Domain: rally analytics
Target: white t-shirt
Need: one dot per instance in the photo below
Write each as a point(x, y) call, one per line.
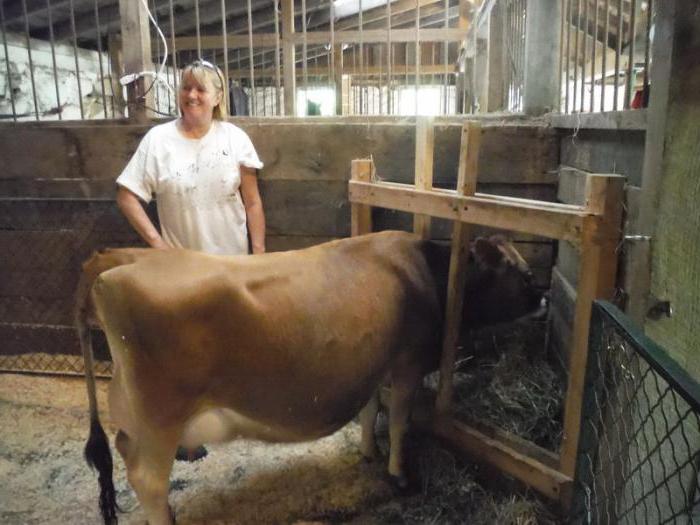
point(196, 183)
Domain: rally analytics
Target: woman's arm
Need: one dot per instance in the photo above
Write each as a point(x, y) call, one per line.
point(253, 209)
point(130, 206)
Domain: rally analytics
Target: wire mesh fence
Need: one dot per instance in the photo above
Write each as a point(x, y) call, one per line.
point(639, 454)
point(44, 242)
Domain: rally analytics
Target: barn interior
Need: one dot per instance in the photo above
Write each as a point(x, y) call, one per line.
point(569, 126)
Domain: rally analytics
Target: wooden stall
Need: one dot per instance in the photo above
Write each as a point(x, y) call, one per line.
point(593, 228)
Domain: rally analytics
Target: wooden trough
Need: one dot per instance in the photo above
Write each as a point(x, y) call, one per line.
point(594, 229)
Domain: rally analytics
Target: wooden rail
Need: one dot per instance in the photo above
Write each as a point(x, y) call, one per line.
point(594, 229)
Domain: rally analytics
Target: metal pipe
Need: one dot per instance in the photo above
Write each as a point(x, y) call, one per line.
point(29, 56)
point(227, 80)
point(583, 59)
point(618, 52)
point(389, 59)
point(593, 55)
point(561, 52)
point(278, 80)
point(521, 53)
point(578, 23)
point(173, 51)
point(445, 55)
point(7, 63)
point(154, 81)
point(75, 55)
point(196, 24)
point(53, 62)
point(604, 68)
point(304, 55)
point(418, 57)
point(569, 16)
point(331, 51)
point(250, 59)
point(647, 45)
point(630, 61)
point(362, 57)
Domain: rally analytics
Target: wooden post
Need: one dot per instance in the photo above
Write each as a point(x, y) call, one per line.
point(361, 214)
point(495, 93)
point(425, 140)
point(288, 58)
point(114, 47)
point(459, 257)
point(596, 279)
point(540, 90)
point(340, 96)
point(136, 52)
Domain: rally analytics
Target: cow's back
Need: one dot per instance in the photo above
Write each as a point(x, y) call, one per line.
point(293, 339)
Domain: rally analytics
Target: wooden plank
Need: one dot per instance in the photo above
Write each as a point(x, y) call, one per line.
point(597, 272)
point(572, 185)
point(361, 215)
point(620, 152)
point(114, 47)
point(459, 257)
point(288, 58)
point(306, 207)
point(482, 448)
point(21, 340)
point(550, 220)
point(301, 150)
point(89, 216)
point(425, 140)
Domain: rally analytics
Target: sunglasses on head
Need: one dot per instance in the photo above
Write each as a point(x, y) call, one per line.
point(205, 63)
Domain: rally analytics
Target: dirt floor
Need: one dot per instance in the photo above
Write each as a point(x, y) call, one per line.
point(44, 479)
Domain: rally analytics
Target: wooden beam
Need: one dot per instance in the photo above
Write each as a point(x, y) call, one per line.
point(485, 449)
point(557, 221)
point(288, 58)
point(432, 69)
point(596, 280)
point(371, 36)
point(522, 459)
point(361, 214)
point(425, 141)
point(114, 48)
point(136, 41)
point(459, 258)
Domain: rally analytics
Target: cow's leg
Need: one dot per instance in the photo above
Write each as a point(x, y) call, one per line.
point(405, 379)
point(149, 459)
point(368, 419)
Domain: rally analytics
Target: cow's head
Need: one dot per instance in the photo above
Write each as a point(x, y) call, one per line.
point(500, 286)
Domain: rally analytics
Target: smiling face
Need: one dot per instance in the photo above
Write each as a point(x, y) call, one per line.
point(198, 96)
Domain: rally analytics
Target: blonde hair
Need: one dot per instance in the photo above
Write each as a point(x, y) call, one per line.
point(202, 71)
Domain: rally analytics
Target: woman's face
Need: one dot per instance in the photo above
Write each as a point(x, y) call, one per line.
point(197, 99)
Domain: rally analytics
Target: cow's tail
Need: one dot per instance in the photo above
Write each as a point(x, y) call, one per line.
point(97, 452)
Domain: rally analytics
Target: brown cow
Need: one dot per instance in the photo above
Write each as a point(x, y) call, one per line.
point(280, 347)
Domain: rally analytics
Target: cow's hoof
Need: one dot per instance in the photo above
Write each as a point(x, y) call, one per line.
point(399, 485)
point(191, 455)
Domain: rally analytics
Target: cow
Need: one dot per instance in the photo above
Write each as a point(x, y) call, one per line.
point(279, 347)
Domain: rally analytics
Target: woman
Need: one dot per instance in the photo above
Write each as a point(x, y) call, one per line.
point(202, 171)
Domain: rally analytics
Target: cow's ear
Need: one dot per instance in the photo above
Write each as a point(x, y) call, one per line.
point(486, 254)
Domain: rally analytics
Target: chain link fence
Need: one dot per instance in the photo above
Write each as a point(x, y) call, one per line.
point(45, 242)
point(639, 454)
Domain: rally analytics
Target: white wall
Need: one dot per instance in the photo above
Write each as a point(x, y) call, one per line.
point(45, 82)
